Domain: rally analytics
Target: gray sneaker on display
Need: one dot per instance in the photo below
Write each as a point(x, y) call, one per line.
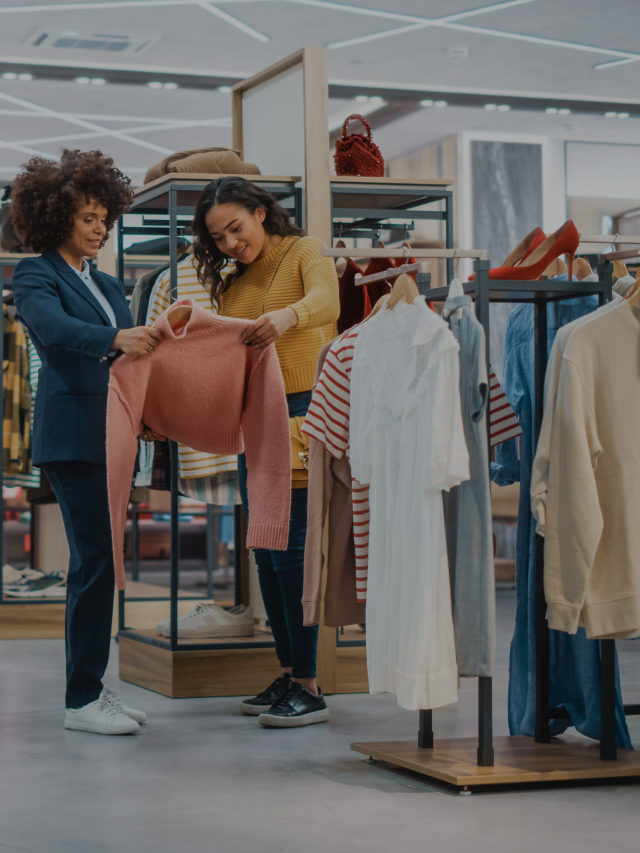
point(211, 620)
point(102, 717)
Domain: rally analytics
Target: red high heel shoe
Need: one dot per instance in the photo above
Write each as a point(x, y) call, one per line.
point(525, 247)
point(522, 250)
point(563, 241)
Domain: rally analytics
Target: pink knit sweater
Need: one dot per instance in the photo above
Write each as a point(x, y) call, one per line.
point(203, 387)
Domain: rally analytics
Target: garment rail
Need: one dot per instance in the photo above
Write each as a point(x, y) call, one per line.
point(485, 754)
point(8, 261)
point(521, 759)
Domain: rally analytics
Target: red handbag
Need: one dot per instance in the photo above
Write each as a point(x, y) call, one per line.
point(357, 154)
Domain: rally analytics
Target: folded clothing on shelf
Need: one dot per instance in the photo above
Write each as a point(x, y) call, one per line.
point(209, 620)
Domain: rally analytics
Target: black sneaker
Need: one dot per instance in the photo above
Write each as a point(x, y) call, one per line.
point(297, 707)
point(265, 700)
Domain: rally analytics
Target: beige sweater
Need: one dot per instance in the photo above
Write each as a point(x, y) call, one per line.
point(592, 530)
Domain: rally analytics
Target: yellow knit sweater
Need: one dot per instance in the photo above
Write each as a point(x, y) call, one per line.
point(306, 282)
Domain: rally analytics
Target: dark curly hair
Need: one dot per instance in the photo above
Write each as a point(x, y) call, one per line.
point(232, 190)
point(46, 194)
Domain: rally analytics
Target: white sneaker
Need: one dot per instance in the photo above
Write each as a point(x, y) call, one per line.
point(134, 713)
point(211, 620)
point(102, 717)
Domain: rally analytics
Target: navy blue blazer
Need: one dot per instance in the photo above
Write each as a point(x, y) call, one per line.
point(73, 337)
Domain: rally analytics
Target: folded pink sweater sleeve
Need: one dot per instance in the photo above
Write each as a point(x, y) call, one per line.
point(264, 421)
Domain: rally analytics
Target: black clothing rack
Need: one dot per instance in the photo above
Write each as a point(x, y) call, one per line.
point(520, 759)
point(8, 260)
point(540, 293)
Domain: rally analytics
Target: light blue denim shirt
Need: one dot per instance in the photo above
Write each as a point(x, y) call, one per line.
point(574, 660)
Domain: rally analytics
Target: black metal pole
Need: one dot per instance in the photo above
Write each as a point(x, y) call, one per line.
point(485, 718)
point(211, 541)
point(425, 732)
point(238, 545)
point(135, 543)
point(173, 448)
point(485, 753)
point(542, 733)
point(608, 748)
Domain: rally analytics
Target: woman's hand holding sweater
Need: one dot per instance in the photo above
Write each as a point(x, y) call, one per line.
point(140, 340)
point(269, 327)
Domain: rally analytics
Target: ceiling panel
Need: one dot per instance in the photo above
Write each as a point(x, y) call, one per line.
point(515, 46)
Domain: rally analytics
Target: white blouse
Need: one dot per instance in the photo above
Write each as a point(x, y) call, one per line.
point(407, 442)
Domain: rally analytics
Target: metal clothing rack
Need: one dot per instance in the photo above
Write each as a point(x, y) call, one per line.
point(520, 759)
point(485, 752)
point(8, 260)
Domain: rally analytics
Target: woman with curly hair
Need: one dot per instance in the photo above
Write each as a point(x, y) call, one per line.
point(79, 321)
point(289, 294)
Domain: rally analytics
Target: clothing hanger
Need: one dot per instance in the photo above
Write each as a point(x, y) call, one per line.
point(178, 316)
point(582, 268)
point(619, 270)
point(556, 267)
point(341, 263)
point(456, 290)
point(403, 290)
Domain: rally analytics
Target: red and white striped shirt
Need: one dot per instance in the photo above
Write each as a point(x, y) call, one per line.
point(327, 420)
point(503, 421)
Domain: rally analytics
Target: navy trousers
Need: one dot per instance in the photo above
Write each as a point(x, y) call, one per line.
point(81, 491)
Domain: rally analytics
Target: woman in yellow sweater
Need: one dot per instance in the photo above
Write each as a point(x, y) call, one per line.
point(289, 292)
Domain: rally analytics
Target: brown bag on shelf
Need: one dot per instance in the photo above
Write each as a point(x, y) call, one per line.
point(207, 161)
point(299, 453)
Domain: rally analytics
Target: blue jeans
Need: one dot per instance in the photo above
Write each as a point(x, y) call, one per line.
point(574, 660)
point(281, 575)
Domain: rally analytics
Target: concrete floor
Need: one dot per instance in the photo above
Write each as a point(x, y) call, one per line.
point(201, 777)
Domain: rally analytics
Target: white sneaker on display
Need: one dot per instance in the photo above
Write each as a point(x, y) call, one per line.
point(102, 717)
point(211, 620)
point(134, 713)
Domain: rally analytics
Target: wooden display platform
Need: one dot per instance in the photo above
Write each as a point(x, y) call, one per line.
point(188, 673)
point(43, 618)
point(518, 761)
point(238, 666)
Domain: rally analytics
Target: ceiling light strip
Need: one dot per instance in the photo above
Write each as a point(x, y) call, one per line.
point(359, 10)
point(482, 10)
point(230, 19)
point(487, 31)
point(45, 111)
point(92, 7)
point(336, 45)
point(221, 122)
point(604, 65)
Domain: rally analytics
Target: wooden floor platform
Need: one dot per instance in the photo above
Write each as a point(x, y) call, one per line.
point(188, 672)
point(43, 618)
point(518, 761)
point(237, 666)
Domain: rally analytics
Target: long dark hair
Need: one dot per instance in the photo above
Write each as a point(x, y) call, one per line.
point(232, 190)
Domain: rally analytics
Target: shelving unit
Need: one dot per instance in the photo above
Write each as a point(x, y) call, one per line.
point(171, 666)
point(361, 207)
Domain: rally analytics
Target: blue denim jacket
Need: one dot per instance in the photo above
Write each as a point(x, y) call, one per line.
point(574, 660)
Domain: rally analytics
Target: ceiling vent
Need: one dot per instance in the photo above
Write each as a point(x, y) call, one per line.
point(107, 42)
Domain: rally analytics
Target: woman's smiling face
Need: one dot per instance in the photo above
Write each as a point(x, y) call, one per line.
point(87, 233)
point(238, 233)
